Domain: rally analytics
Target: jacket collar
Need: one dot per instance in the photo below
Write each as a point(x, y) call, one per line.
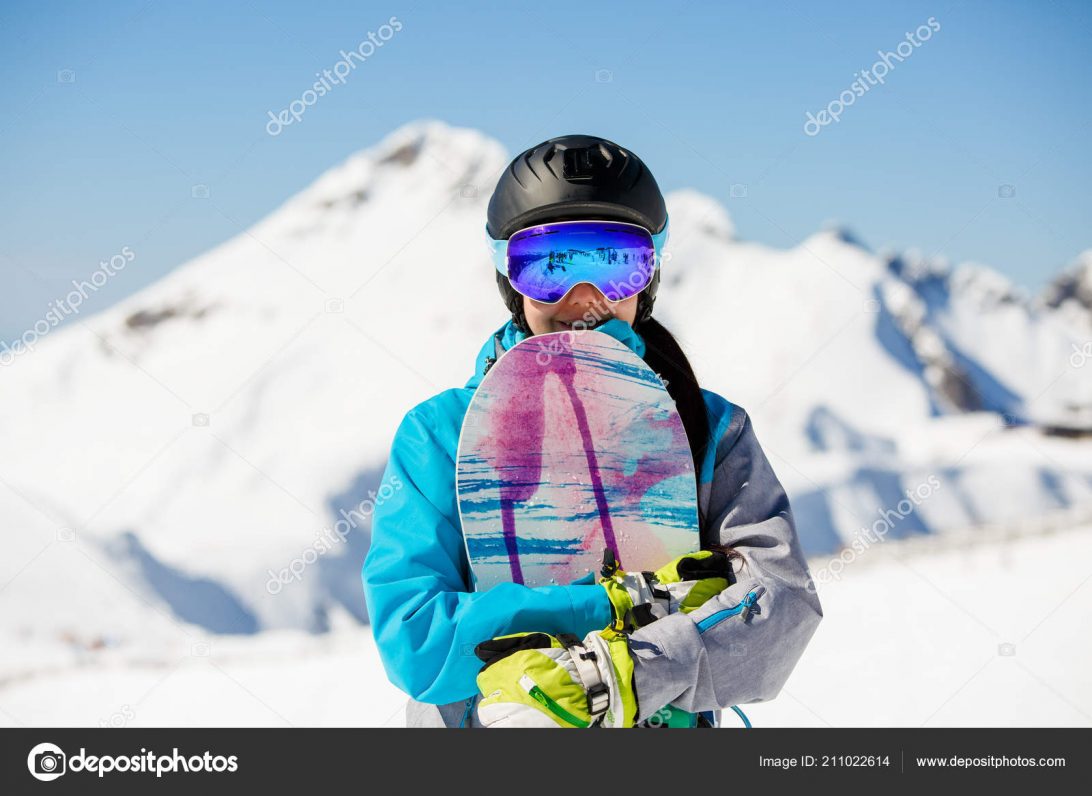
point(509, 335)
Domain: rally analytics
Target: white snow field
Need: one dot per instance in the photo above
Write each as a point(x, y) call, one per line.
point(983, 633)
point(952, 634)
point(167, 457)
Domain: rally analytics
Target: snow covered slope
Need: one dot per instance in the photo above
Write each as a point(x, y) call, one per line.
point(936, 636)
point(166, 459)
point(950, 636)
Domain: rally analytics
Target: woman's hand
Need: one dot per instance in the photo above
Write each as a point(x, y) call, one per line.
point(680, 586)
point(539, 680)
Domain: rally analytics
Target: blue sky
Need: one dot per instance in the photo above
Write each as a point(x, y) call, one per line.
point(161, 97)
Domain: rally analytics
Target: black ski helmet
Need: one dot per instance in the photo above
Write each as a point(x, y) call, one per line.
point(569, 178)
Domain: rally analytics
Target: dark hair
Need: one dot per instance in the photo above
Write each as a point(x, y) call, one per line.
point(664, 355)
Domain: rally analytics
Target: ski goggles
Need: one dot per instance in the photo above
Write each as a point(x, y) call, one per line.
point(545, 262)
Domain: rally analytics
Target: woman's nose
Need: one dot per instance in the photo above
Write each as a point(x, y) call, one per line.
point(585, 293)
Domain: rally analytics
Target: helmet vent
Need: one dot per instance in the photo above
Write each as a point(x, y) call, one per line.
point(530, 168)
point(584, 163)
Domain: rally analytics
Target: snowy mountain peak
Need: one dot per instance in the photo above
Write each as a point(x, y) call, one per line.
point(436, 147)
point(228, 414)
point(692, 210)
point(1071, 293)
point(915, 267)
point(842, 233)
point(422, 156)
point(985, 285)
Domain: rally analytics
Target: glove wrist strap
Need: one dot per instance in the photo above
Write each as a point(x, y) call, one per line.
point(587, 668)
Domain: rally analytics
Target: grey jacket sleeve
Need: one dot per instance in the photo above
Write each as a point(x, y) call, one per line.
point(726, 653)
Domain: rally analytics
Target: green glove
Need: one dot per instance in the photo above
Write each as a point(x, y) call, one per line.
point(680, 586)
point(539, 680)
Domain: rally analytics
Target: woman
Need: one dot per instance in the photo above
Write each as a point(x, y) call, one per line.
point(715, 642)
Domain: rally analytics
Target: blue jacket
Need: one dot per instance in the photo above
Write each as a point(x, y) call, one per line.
point(426, 621)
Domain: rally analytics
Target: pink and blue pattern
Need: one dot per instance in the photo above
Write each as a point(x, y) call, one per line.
point(572, 445)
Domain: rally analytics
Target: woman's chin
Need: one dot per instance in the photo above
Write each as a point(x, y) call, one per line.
point(578, 325)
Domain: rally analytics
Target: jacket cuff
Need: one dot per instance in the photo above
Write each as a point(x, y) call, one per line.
point(667, 661)
point(591, 608)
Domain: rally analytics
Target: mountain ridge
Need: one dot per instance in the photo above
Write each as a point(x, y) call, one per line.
point(214, 424)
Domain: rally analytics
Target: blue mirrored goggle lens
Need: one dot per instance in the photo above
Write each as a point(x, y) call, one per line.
point(546, 262)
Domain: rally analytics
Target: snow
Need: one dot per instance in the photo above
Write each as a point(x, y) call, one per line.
point(280, 679)
point(167, 457)
point(983, 632)
point(990, 634)
point(1070, 295)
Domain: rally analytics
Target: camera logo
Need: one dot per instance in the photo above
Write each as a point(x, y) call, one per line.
point(46, 762)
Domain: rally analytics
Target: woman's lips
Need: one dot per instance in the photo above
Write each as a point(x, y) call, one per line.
point(583, 325)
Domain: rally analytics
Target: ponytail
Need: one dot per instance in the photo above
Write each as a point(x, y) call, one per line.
point(664, 355)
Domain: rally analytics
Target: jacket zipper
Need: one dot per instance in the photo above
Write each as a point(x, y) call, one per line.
point(744, 608)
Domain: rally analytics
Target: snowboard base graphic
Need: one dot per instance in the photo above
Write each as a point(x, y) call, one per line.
point(570, 446)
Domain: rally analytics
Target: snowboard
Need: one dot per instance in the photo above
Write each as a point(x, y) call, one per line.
point(572, 446)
